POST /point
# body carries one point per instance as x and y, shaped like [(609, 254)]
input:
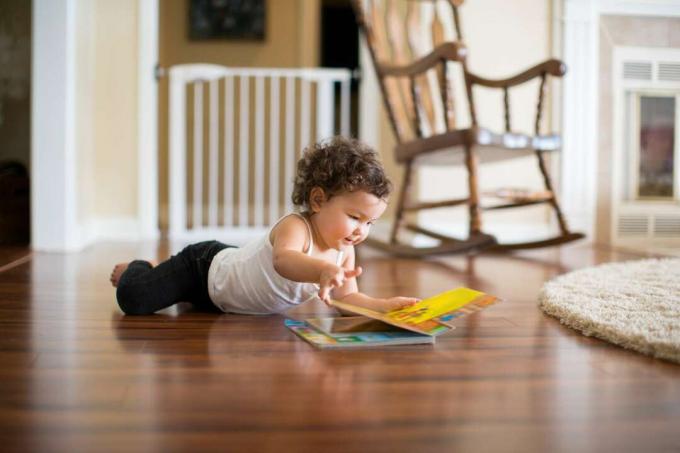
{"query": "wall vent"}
[(667, 226), (669, 72), (637, 70), (633, 225)]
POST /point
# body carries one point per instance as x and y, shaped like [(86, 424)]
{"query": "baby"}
[(340, 190)]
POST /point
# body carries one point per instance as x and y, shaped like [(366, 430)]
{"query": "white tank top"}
[(243, 280)]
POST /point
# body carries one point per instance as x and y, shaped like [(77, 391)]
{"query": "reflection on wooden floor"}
[(76, 375)]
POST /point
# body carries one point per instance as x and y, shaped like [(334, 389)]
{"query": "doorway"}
[(340, 49), (15, 122)]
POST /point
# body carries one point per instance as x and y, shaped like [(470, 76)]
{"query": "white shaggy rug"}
[(635, 304)]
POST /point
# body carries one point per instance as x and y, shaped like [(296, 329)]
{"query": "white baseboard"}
[(116, 229), (121, 229), (662, 249), (580, 222)]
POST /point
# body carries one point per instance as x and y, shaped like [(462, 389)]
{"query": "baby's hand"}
[(333, 276), (395, 303)]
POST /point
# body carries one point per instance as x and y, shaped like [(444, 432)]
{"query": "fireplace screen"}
[(656, 157)]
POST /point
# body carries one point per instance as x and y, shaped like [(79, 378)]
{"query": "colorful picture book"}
[(352, 332), (432, 316), (417, 324)]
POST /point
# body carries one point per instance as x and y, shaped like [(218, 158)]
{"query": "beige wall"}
[(502, 40), (107, 74), (106, 80), (291, 40), (106, 108)]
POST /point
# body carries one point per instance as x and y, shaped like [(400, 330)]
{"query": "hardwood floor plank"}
[(77, 375), (13, 255)]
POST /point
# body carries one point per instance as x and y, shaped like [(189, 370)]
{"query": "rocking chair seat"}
[(447, 148)]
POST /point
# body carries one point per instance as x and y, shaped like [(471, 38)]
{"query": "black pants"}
[(144, 289)]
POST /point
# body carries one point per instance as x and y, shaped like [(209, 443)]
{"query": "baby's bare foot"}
[(120, 268), (117, 272)]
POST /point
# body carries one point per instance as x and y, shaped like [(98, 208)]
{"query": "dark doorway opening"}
[(15, 122), (340, 49)]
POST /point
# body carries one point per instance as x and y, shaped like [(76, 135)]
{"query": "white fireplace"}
[(645, 190), (620, 165)]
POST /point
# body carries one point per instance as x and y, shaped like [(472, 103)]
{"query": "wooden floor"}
[(76, 375)]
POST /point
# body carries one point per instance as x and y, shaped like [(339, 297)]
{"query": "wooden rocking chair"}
[(414, 45)]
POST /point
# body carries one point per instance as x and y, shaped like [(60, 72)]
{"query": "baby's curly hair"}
[(339, 165)]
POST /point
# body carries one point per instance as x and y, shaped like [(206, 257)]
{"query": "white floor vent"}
[(667, 226), (637, 70), (649, 226), (633, 225), (669, 71)]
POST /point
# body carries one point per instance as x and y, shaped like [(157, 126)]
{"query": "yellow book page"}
[(435, 306)]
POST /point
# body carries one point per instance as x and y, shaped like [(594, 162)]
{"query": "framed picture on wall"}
[(226, 19)]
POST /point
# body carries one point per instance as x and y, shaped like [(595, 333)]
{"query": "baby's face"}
[(346, 219)]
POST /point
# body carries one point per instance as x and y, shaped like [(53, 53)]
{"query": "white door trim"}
[(54, 223), (147, 120), (369, 98)]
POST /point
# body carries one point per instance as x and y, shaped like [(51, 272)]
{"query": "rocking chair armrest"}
[(449, 51), (552, 67)]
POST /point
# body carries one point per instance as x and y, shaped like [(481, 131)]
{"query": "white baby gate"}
[(246, 141)]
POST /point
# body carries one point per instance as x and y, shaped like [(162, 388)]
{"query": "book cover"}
[(432, 316), (353, 332)]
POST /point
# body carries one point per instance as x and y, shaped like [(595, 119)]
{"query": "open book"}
[(352, 332), (428, 318)]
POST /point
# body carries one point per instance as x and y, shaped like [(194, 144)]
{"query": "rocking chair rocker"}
[(413, 46)]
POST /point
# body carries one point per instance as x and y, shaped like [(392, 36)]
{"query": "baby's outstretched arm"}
[(289, 239), (334, 277), (379, 304), (336, 280), (349, 292)]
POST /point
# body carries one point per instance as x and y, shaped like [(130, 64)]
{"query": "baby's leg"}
[(145, 289)]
